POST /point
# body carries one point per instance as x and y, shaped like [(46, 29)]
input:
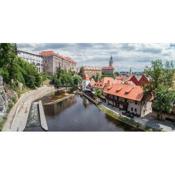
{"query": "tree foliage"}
[(160, 86), (15, 69), (164, 100), (65, 78)]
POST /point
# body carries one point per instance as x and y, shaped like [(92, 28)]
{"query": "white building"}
[(32, 58), (85, 83)]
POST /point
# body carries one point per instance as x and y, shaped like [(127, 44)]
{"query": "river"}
[(78, 114)]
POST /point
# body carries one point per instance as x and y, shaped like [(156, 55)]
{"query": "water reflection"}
[(78, 114), (55, 109)]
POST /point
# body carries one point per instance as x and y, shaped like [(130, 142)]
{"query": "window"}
[(135, 110), (132, 109), (136, 102)]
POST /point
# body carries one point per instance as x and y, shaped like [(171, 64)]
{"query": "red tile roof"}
[(133, 79), (108, 68), (69, 59), (47, 53), (52, 53), (106, 81), (126, 91), (143, 80)]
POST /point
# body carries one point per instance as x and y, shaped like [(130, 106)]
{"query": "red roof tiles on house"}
[(143, 80), (126, 91), (106, 81), (133, 79)]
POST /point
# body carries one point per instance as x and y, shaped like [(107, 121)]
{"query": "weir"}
[(42, 116)]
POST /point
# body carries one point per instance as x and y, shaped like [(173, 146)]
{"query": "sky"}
[(125, 55)]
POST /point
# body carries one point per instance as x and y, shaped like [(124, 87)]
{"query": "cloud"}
[(125, 55)]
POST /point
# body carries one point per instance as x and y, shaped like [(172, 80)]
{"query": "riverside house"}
[(129, 98), (125, 95)]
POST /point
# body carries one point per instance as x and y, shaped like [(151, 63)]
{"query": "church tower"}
[(110, 61)]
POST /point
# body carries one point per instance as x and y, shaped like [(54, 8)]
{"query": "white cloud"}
[(126, 55)]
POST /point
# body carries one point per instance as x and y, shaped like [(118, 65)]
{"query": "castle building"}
[(108, 70), (32, 58), (53, 61), (91, 71)]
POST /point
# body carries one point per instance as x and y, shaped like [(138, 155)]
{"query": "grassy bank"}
[(128, 121)]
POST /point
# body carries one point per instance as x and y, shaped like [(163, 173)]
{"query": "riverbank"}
[(18, 115), (144, 124)]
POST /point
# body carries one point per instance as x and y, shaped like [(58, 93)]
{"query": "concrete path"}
[(17, 117)]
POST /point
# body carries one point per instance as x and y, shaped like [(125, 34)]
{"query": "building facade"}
[(32, 58), (129, 98), (52, 62), (125, 95), (91, 71), (108, 70), (86, 83)]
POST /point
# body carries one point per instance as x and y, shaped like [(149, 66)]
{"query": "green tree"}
[(164, 100), (98, 92), (66, 79), (15, 69), (76, 80), (156, 72), (161, 86)]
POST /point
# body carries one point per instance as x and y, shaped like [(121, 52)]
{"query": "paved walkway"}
[(17, 117), (147, 121)]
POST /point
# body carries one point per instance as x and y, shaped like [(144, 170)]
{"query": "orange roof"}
[(65, 58), (126, 91), (116, 81), (129, 82), (47, 53), (52, 53), (105, 82)]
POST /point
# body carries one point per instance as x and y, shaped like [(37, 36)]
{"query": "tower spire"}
[(111, 61)]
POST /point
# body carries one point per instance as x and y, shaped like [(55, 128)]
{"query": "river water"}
[(78, 114)]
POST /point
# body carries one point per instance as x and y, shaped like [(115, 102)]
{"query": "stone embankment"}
[(42, 116), (17, 117)]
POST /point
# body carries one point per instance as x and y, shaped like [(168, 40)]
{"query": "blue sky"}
[(125, 55)]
